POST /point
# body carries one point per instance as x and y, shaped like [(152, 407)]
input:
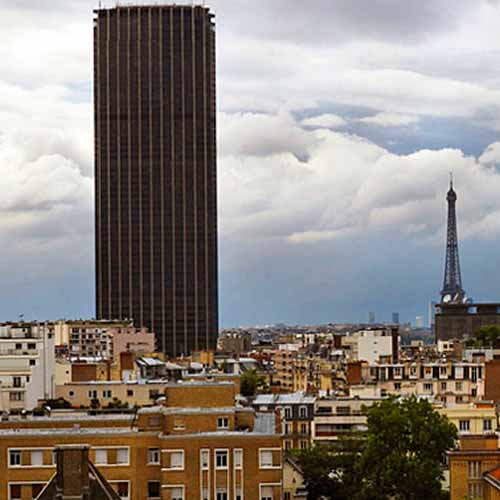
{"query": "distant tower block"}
[(371, 318), (419, 321), (395, 318), (452, 287)]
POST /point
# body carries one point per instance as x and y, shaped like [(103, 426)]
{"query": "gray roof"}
[(284, 399)]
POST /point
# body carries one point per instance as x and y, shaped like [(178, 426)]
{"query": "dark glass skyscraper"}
[(155, 172)]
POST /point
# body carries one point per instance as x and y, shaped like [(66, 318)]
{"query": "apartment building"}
[(101, 339), (103, 393), (472, 418), (373, 345), (198, 445), (337, 417), (295, 371), (296, 411), (449, 382), (27, 364), (472, 467)]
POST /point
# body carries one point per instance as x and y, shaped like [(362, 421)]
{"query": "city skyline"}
[(336, 136)]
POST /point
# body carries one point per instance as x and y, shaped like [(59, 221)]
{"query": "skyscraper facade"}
[(155, 172)]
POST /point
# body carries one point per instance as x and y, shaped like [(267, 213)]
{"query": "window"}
[(303, 412), (443, 386), (487, 424), (37, 458), (101, 457), (15, 491), (473, 393), (106, 394), (286, 496), (458, 386), (464, 425), (19, 346), (154, 489), (122, 456), (428, 387), (205, 459), (221, 494), (154, 456), (153, 393), (265, 459), (32, 362), (222, 423), (474, 470), (266, 493), (176, 494), (475, 490), (130, 392), (303, 428), (288, 428), (179, 425), (238, 459), (303, 445), (343, 410), (31, 346), (16, 396), (16, 381), (71, 394), (15, 458), (397, 386), (288, 412), (288, 445), (237, 495), (221, 459), (204, 494), (122, 489), (177, 460)]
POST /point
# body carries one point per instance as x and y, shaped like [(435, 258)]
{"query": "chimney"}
[(72, 471)]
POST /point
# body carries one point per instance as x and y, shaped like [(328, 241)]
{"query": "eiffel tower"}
[(452, 292)]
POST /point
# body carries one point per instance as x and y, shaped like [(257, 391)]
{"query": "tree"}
[(486, 336), (330, 472), (398, 458), (250, 383), (405, 445)]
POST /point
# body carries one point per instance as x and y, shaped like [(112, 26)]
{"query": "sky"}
[(338, 124)]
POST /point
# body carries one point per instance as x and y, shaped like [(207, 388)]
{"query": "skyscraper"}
[(155, 171)]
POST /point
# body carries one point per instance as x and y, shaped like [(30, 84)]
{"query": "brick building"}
[(199, 445)]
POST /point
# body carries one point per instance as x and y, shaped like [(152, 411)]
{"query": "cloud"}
[(257, 134), (387, 119), (349, 185), (491, 155), (327, 120)]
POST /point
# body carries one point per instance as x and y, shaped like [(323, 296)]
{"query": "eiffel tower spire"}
[(452, 287)]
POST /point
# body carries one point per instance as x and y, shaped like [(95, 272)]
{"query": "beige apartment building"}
[(82, 394), (198, 445)]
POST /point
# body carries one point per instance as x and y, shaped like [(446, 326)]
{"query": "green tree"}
[(398, 458), (405, 445), (330, 472), (486, 336), (251, 382)]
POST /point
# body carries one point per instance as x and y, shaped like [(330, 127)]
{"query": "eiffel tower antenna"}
[(452, 287)]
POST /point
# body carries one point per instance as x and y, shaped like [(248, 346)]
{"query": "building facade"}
[(155, 172), (27, 362), (199, 445)]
